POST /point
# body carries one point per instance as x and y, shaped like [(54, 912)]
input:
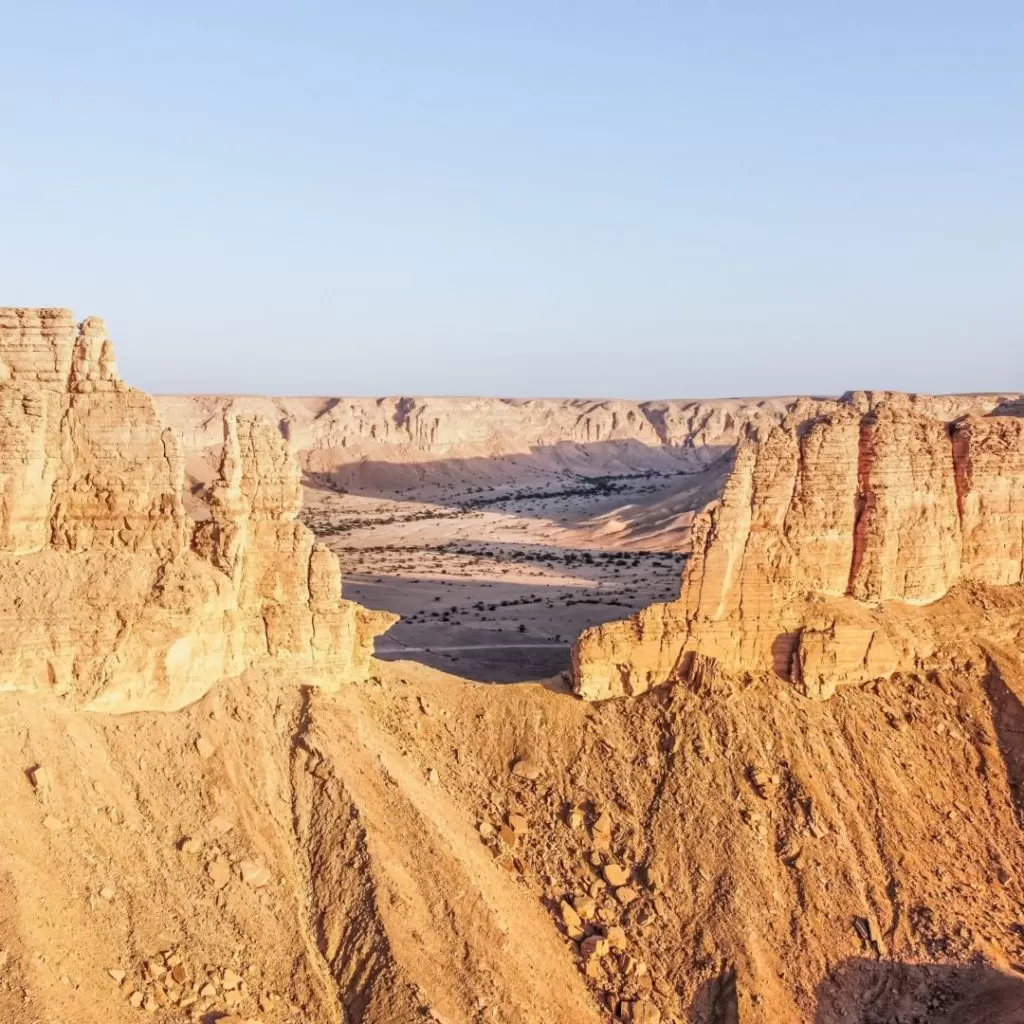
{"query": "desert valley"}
[(373, 711)]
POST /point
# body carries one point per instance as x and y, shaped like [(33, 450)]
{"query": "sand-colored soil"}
[(428, 848), (495, 586)]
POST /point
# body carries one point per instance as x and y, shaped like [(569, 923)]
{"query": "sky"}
[(541, 197)]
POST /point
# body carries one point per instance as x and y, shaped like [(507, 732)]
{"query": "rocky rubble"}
[(109, 594), (586, 867), (834, 533), (167, 981)]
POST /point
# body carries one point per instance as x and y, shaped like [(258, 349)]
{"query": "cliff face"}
[(287, 586), (109, 594), (825, 521), (386, 446)]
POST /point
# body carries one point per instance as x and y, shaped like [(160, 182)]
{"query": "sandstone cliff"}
[(385, 445), (389, 446), (834, 533), (109, 594)]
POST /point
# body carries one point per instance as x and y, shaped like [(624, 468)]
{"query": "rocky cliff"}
[(835, 533), (387, 446), (110, 596)]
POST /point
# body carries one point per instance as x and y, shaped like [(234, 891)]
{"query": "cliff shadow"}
[(882, 991), (717, 1000), (1010, 407), (497, 610), (543, 480), (490, 629), (485, 630), (1008, 723)]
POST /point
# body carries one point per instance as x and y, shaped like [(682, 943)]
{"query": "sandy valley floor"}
[(495, 587)]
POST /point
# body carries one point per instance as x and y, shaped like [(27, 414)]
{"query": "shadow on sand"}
[(1008, 723), (493, 632), (863, 991), (565, 470)]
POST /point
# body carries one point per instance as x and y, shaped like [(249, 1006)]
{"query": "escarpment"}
[(838, 542), (110, 596), (397, 445)]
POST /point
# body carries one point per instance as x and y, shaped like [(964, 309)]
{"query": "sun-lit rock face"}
[(288, 588), (988, 460), (35, 362), (109, 593), (825, 522)]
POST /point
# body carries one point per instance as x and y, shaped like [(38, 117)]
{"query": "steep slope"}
[(289, 840), (424, 848)]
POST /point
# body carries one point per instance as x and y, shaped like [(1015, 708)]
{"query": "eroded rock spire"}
[(109, 593)]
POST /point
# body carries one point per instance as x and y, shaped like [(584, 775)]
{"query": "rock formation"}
[(387, 446), (390, 444), (833, 533), (287, 587), (109, 594)]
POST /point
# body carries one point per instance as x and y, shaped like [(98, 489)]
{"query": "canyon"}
[(834, 530), (792, 790)]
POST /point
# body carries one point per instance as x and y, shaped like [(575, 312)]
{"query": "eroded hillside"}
[(835, 535), (806, 807), (424, 848)]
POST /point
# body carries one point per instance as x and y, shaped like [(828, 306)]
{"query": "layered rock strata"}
[(109, 594), (447, 447), (287, 586), (833, 534)]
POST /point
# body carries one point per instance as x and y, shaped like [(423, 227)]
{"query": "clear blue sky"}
[(538, 197)]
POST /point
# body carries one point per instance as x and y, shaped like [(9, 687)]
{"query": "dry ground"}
[(424, 848), (495, 586)]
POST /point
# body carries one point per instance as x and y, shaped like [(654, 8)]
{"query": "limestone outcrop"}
[(110, 595), (835, 533)]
